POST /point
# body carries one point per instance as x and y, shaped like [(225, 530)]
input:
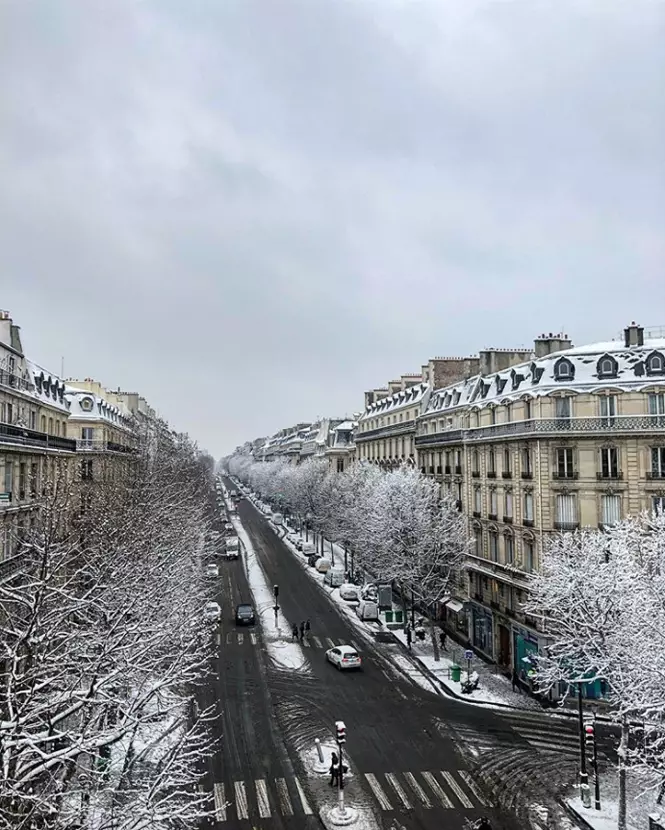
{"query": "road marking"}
[(228, 639), (304, 643), (241, 638), (284, 797), (381, 797), (218, 640), (307, 810), (418, 790), (455, 787), (354, 645), (471, 786), (400, 692), (262, 798), (241, 799), (317, 642), (252, 637), (399, 790), (220, 802), (330, 642), (437, 789)]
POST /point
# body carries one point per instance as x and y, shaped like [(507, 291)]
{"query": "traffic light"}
[(341, 732), (589, 739)]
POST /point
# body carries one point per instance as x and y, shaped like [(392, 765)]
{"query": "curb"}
[(576, 817)]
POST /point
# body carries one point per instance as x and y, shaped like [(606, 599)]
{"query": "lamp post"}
[(584, 775)]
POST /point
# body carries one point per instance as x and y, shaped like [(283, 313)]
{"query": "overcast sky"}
[(250, 211)]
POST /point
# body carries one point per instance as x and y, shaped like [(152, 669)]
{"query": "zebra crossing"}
[(390, 791), (252, 638)]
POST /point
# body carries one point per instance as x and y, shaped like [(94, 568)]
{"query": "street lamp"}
[(584, 775)]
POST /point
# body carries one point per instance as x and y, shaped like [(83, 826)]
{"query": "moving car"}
[(278, 518), (231, 548), (212, 570), (212, 611), (344, 657), (245, 614), (228, 526)]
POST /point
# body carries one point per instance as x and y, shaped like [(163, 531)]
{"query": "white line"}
[(228, 639), (386, 675), (400, 692), (317, 642), (471, 786), (241, 799), (252, 637), (330, 642), (304, 643), (418, 790), (381, 797), (284, 797), (307, 810), (218, 641), (437, 789), (220, 802), (262, 798), (355, 646), (399, 790), (241, 638), (455, 787)]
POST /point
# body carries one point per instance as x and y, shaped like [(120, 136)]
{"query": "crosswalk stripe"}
[(418, 790), (228, 639), (304, 643), (317, 642), (252, 637), (381, 797), (455, 787), (399, 790), (330, 642), (262, 798), (437, 789), (357, 648), (307, 810), (241, 638), (241, 799), (220, 802), (284, 797), (471, 786)]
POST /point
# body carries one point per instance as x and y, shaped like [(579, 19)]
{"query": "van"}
[(322, 565), (278, 518), (334, 577), (232, 547), (368, 610)]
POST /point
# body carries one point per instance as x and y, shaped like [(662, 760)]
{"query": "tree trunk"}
[(621, 752), (402, 596), (435, 641)]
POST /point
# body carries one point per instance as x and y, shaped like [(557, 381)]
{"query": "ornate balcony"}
[(100, 445), (610, 475), (30, 438)]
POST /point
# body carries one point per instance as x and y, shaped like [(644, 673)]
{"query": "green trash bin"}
[(389, 616), (455, 673)]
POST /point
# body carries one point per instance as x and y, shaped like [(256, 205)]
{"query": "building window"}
[(655, 364), (566, 512), (508, 505), (476, 462), (608, 408), (529, 556), (609, 462), (506, 460), (494, 546), (491, 463), (477, 500), (527, 471), (610, 509), (8, 416), (340, 465), (657, 403), (607, 367), (658, 462), (528, 507), (494, 502), (562, 407), (509, 413), (9, 475), (43, 423), (509, 548), (86, 469), (658, 504), (564, 369), (527, 409), (33, 419), (564, 463), (492, 415), (478, 537), (21, 480), (34, 478)]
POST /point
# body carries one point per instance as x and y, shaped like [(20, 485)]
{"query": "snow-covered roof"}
[(345, 426), (46, 387), (392, 403), (579, 369), (86, 406)]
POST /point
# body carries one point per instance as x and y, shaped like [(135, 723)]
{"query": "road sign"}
[(468, 654)]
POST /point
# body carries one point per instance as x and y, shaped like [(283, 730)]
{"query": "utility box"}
[(385, 596)]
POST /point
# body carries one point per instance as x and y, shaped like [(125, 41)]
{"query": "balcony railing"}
[(506, 474), (491, 474), (566, 525), (610, 475), (527, 474), (508, 520), (447, 469), (656, 475), (458, 469), (476, 514), (101, 445), (619, 424), (568, 475), (389, 429), (12, 434), (527, 522), (13, 381), (475, 474)]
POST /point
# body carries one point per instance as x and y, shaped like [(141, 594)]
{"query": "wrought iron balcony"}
[(566, 526), (447, 469), (491, 474), (506, 474), (508, 520), (609, 475), (101, 445), (12, 434), (527, 522), (567, 475), (656, 475), (475, 474), (458, 469), (527, 474), (476, 514)]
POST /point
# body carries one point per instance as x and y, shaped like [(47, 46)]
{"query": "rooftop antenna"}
[(62, 367)]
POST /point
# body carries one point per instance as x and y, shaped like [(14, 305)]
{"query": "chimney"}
[(5, 328), (633, 335), (551, 343), (496, 360), (444, 371)]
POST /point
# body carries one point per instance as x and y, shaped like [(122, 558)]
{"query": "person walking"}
[(442, 639), (514, 680), (334, 770), (302, 630), (294, 632), (409, 636), (307, 628)]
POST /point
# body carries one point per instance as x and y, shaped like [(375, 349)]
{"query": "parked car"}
[(278, 518), (312, 559), (323, 565), (344, 657), (307, 549), (212, 570), (367, 610), (370, 592), (349, 592), (245, 614), (212, 611), (229, 527), (234, 494), (334, 577)]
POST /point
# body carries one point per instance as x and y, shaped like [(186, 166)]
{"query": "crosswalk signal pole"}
[(584, 775), (592, 747), (275, 591), (341, 740)]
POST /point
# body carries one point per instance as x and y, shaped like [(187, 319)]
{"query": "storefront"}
[(456, 617), (525, 653), (482, 630)]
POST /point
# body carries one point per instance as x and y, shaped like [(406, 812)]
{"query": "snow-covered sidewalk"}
[(641, 795)]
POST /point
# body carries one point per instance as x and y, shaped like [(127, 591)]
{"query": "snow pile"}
[(283, 652)]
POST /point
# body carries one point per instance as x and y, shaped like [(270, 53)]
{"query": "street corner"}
[(317, 759)]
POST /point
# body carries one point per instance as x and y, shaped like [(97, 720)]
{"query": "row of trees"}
[(601, 598), (396, 525), (102, 649)]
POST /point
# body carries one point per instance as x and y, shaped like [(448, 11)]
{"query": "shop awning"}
[(455, 605)]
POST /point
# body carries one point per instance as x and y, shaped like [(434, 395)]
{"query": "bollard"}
[(319, 750), (586, 795)]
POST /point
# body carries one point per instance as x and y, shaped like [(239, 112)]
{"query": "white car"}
[(349, 592), (212, 570), (212, 611), (344, 657)]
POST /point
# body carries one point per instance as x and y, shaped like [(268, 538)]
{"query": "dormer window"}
[(536, 373), (607, 367), (655, 364), (564, 369)]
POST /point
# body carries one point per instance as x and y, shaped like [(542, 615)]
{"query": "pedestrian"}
[(409, 636), (307, 628), (294, 632), (334, 770), (302, 630), (442, 639), (513, 678)]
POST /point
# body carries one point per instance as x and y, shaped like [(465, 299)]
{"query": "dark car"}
[(245, 614)]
